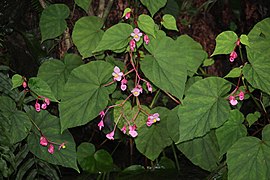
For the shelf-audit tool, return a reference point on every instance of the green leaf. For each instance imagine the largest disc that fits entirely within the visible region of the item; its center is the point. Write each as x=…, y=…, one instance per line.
x=104, y=161
x=257, y=72
x=146, y=24
x=16, y=123
x=154, y=5
x=152, y=140
x=17, y=81
x=169, y=22
x=173, y=124
x=249, y=157
x=87, y=34
x=253, y=117
x=231, y=131
x=50, y=127
x=84, y=4
x=52, y=21
x=203, y=151
x=165, y=67
x=84, y=94
x=55, y=72
x=115, y=38
x=244, y=39
x=208, y=98
x=166, y=163
x=235, y=72
x=191, y=53
x=225, y=43
x=41, y=88
x=129, y=112
x=85, y=154
x=208, y=62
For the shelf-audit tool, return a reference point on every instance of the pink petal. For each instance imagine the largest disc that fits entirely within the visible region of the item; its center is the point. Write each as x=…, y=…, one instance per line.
x=44, y=106
x=110, y=135
x=123, y=87
x=136, y=31
x=133, y=133
x=47, y=101
x=100, y=124
x=43, y=141
x=116, y=70
x=51, y=149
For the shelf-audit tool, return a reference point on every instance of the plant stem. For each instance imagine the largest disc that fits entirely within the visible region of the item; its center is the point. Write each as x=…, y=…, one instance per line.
x=107, y=10
x=176, y=159
x=154, y=99
x=174, y=99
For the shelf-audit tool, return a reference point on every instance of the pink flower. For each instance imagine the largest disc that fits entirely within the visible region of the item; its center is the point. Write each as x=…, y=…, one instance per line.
x=44, y=106
x=100, y=124
x=149, y=87
x=24, y=84
x=117, y=74
x=137, y=90
x=132, y=131
x=37, y=106
x=110, y=135
x=152, y=119
x=238, y=42
x=123, y=84
x=47, y=101
x=51, y=149
x=127, y=16
x=136, y=34
x=132, y=44
x=102, y=114
x=233, y=101
x=124, y=129
x=43, y=141
x=241, y=96
x=233, y=55
x=146, y=39
x=62, y=146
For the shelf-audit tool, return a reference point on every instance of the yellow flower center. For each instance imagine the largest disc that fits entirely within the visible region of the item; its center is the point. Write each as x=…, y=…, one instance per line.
x=136, y=36
x=136, y=93
x=154, y=120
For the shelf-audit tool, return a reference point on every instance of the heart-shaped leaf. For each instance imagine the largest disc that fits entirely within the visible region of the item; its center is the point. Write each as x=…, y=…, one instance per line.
x=146, y=24
x=235, y=72
x=56, y=72
x=17, y=81
x=169, y=22
x=253, y=117
x=204, y=108
x=87, y=34
x=231, y=131
x=154, y=5
x=52, y=21
x=115, y=38
x=202, y=151
x=84, y=94
x=152, y=140
x=225, y=43
x=249, y=157
x=50, y=127
x=165, y=67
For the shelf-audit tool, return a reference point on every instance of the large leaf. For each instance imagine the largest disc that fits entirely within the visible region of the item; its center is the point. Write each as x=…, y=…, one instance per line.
x=231, y=131
x=50, y=127
x=40, y=88
x=52, y=21
x=146, y=24
x=115, y=38
x=165, y=67
x=152, y=140
x=225, y=43
x=191, y=53
x=257, y=72
x=87, y=34
x=84, y=94
x=202, y=151
x=154, y=5
x=249, y=157
x=84, y=4
x=204, y=108
x=55, y=72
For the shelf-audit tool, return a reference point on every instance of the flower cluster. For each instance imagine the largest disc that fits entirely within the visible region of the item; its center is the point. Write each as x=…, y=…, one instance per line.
x=234, y=101
x=152, y=118
x=43, y=141
x=46, y=102
x=233, y=54
x=136, y=34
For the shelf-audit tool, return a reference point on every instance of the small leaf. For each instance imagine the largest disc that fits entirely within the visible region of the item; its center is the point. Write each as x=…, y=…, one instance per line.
x=169, y=22
x=85, y=154
x=127, y=10
x=84, y=4
x=146, y=24
x=41, y=88
x=234, y=73
x=208, y=62
x=231, y=131
x=152, y=140
x=17, y=81
x=225, y=43
x=52, y=21
x=208, y=97
x=154, y=5
x=87, y=34
x=253, y=117
x=104, y=161
x=115, y=38
x=244, y=39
